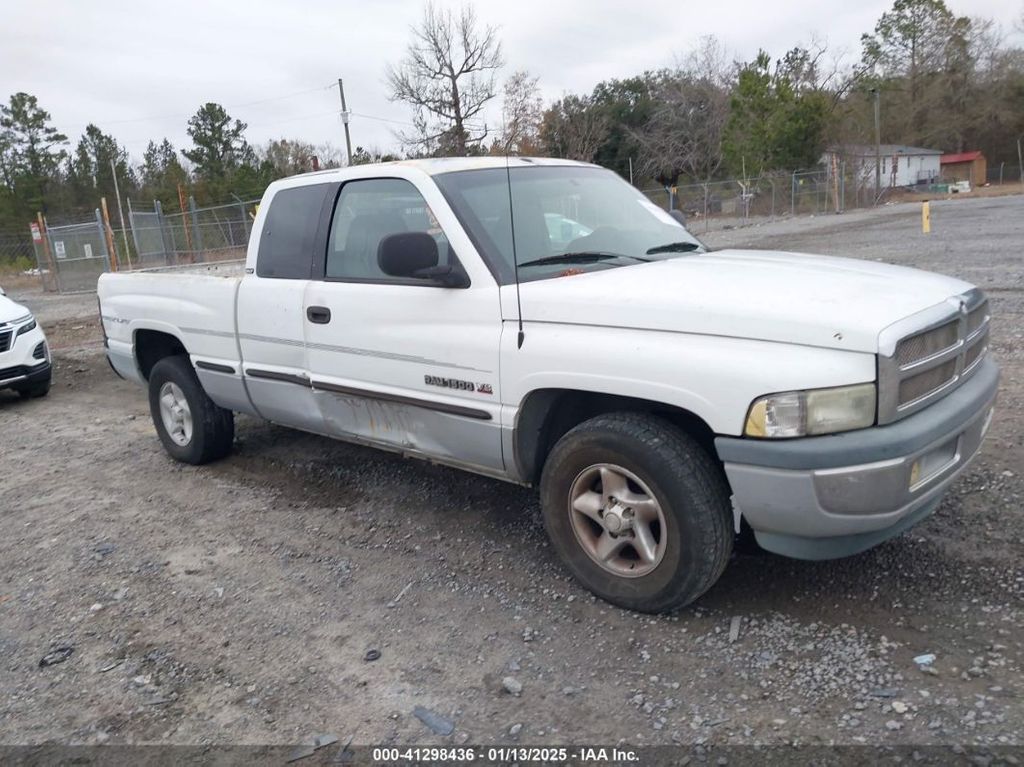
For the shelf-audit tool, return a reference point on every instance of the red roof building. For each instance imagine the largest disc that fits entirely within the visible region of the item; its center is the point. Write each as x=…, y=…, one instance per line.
x=964, y=166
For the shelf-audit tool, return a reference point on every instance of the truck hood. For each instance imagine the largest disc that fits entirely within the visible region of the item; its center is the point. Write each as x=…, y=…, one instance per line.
x=10, y=310
x=838, y=303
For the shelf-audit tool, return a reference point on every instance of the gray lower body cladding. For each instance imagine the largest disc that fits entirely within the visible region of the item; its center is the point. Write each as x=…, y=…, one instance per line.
x=828, y=497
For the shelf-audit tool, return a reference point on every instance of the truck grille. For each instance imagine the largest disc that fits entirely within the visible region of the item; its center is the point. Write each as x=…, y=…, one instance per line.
x=5, y=339
x=925, y=383
x=922, y=345
x=928, y=364
x=976, y=352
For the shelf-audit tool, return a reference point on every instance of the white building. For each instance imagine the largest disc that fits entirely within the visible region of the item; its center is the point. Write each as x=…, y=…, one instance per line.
x=901, y=165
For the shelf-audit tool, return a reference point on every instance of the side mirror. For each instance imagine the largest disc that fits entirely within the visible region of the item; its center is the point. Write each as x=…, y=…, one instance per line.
x=414, y=255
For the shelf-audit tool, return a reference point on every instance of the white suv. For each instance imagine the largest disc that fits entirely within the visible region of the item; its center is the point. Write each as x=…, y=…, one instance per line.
x=24, y=355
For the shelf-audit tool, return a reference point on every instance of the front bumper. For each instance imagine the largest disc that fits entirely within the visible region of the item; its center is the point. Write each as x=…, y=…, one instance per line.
x=828, y=497
x=19, y=365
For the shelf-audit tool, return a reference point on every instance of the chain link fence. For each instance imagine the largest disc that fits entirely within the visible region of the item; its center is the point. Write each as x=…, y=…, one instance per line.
x=195, y=235
x=70, y=258
x=16, y=253
x=736, y=202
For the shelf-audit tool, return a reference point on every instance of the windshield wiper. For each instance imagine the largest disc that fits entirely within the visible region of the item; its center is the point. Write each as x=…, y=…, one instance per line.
x=582, y=257
x=674, y=247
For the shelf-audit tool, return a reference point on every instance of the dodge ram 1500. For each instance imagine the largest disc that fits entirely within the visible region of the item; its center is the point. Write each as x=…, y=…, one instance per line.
x=542, y=322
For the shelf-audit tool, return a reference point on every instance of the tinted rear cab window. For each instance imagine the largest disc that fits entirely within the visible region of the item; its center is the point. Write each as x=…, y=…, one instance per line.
x=288, y=238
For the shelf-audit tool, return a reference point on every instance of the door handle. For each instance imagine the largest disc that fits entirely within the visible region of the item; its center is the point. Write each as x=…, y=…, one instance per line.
x=321, y=315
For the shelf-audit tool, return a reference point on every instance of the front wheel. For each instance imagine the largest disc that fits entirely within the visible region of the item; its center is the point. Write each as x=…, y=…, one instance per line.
x=192, y=428
x=638, y=511
x=39, y=389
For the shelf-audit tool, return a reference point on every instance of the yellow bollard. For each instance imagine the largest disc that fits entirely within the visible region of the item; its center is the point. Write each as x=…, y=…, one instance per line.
x=926, y=217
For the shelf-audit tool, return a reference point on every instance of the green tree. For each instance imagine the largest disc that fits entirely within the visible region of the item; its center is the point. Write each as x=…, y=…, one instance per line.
x=362, y=156
x=161, y=172
x=31, y=154
x=777, y=116
x=219, y=150
x=627, y=106
x=89, y=175
x=908, y=54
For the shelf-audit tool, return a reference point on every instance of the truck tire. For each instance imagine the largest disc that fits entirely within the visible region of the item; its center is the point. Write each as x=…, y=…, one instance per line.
x=191, y=427
x=638, y=511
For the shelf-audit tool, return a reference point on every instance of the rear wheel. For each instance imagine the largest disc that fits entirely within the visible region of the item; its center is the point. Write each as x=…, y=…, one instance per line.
x=638, y=510
x=192, y=428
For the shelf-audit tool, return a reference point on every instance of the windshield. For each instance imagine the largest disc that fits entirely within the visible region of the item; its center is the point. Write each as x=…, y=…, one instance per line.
x=567, y=219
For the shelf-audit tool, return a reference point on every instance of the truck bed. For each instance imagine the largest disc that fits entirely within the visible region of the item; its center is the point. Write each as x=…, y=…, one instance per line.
x=197, y=308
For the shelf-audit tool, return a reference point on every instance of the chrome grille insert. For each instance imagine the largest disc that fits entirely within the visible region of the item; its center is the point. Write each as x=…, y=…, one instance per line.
x=923, y=384
x=976, y=351
x=927, y=344
x=977, y=317
x=928, y=355
x=5, y=339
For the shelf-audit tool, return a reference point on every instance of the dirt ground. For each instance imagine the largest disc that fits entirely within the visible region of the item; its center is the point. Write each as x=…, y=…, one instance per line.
x=237, y=602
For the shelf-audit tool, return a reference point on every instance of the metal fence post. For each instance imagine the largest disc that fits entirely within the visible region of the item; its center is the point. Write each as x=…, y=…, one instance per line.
x=163, y=235
x=792, y=194
x=707, y=224
x=197, y=233
x=102, y=232
x=56, y=260
x=842, y=185
x=245, y=219
x=135, y=237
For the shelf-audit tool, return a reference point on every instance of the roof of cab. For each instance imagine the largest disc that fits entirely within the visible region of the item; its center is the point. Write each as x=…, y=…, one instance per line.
x=436, y=165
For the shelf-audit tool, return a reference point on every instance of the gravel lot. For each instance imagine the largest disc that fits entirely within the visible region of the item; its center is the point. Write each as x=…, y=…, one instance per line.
x=236, y=603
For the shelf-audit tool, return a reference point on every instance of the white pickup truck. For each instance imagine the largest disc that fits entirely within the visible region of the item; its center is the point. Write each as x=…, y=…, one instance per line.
x=542, y=322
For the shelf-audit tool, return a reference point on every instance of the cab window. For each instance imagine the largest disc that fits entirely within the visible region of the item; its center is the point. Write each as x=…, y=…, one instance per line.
x=287, y=240
x=366, y=212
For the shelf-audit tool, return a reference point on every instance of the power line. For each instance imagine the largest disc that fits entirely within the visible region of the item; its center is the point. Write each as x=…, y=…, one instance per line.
x=226, y=106
x=473, y=125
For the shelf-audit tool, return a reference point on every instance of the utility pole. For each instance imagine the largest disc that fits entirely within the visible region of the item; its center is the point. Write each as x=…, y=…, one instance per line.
x=344, y=120
x=120, y=213
x=878, y=143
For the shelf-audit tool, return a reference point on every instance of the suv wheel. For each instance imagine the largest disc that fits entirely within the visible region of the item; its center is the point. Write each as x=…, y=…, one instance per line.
x=40, y=389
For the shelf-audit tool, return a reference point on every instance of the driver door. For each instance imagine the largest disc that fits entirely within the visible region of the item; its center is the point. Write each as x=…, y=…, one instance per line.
x=402, y=362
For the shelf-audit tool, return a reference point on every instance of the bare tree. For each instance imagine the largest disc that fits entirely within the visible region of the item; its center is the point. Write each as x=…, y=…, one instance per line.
x=521, y=114
x=574, y=128
x=447, y=76
x=287, y=157
x=684, y=134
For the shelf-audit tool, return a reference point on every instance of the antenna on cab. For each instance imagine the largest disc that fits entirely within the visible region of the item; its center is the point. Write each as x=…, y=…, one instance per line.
x=515, y=257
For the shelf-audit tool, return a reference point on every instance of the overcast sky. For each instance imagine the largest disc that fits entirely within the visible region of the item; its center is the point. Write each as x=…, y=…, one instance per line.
x=140, y=69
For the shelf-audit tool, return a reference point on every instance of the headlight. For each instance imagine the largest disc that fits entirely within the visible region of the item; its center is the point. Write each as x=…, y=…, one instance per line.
x=815, y=411
x=27, y=326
